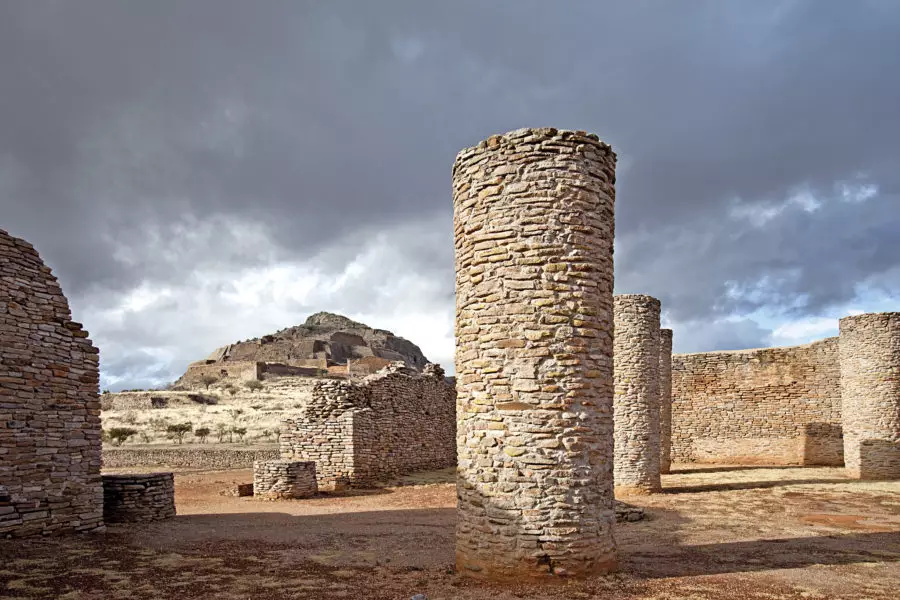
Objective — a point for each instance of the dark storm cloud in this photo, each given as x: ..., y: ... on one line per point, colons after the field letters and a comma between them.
x: 154, y: 141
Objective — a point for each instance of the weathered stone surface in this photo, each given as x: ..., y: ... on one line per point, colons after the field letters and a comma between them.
x: 138, y: 498
x: 393, y: 422
x: 49, y: 407
x: 636, y: 402
x: 533, y: 218
x: 760, y: 406
x: 870, y: 394
x: 665, y: 400
x: 284, y: 479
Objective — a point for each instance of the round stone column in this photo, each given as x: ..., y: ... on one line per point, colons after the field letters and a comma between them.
x: 533, y: 218
x: 636, y: 404
x: 665, y: 400
x: 870, y: 394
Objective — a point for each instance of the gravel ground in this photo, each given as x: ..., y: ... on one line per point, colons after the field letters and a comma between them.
x: 716, y: 533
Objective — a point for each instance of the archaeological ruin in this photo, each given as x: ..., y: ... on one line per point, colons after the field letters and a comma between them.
x: 636, y: 405
x: 533, y: 220
x: 138, y: 498
x: 394, y: 422
x: 665, y: 400
x: 49, y: 407
x: 869, y: 347
x: 284, y: 479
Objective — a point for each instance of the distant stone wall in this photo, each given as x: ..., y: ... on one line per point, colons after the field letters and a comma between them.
x: 185, y: 458
x: 152, y: 400
x: 49, y: 406
x: 763, y: 406
x: 870, y: 391
x: 239, y: 370
x: 396, y: 421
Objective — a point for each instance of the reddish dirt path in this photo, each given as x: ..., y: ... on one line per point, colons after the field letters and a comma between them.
x: 752, y: 533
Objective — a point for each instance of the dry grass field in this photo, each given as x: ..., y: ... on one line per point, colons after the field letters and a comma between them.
x: 716, y: 533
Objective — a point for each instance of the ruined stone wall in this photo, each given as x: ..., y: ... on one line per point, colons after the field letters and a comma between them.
x: 284, y: 479
x: 636, y: 402
x: 395, y: 421
x: 138, y: 498
x: 665, y: 400
x: 533, y: 219
x: 239, y: 370
x: 870, y: 391
x: 761, y: 406
x: 49, y: 406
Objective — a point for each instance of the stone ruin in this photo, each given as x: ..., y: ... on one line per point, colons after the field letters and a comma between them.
x: 869, y: 348
x: 665, y: 400
x: 636, y: 406
x: 49, y: 406
x: 138, y: 498
x: 284, y: 479
x: 533, y: 220
x: 393, y: 422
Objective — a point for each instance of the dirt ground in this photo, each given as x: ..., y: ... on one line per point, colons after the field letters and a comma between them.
x: 716, y: 533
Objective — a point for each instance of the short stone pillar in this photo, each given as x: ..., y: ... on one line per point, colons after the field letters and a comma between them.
x: 284, y: 479
x: 533, y: 218
x: 636, y: 404
x: 138, y: 498
x: 665, y: 400
x: 870, y: 394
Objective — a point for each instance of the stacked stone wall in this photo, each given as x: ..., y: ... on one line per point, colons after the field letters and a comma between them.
x: 393, y: 422
x: 533, y: 218
x: 138, y: 498
x: 665, y: 400
x: 761, y: 406
x: 239, y: 370
x: 637, y: 403
x: 196, y: 457
x: 284, y: 479
x: 870, y: 393
x: 50, y: 436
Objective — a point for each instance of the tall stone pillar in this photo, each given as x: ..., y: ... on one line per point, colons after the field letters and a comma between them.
x: 665, y: 400
x: 533, y: 218
x: 636, y: 404
x: 870, y: 394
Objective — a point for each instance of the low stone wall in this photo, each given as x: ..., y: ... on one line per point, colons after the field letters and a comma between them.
x: 761, y: 406
x: 138, y: 498
x: 284, y: 479
x: 396, y: 421
x: 189, y: 457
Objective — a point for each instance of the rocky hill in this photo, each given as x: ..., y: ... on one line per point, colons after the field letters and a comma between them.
x: 324, y: 335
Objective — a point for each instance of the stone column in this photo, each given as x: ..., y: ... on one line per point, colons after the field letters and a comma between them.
x: 533, y: 218
x: 665, y: 400
x: 636, y: 404
x: 870, y: 394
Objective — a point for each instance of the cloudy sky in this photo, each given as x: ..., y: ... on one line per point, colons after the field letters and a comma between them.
x: 202, y: 171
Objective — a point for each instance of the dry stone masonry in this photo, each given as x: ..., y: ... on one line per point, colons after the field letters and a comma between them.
x: 665, y: 400
x: 533, y: 219
x: 49, y: 407
x: 762, y: 406
x: 636, y: 403
x: 138, y: 498
x: 393, y: 422
x: 284, y: 479
x: 870, y: 394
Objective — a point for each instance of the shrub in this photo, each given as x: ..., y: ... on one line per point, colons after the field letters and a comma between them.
x: 145, y: 437
x: 221, y: 431
x: 118, y: 435
x: 208, y: 380
x: 231, y: 389
x: 234, y: 413
x: 254, y: 385
x: 177, y: 431
x: 240, y: 432
x: 202, y: 433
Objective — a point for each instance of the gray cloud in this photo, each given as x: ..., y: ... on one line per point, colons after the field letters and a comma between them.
x: 165, y: 144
